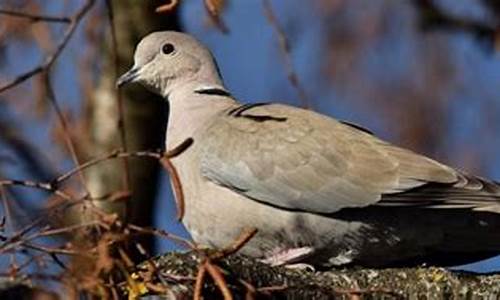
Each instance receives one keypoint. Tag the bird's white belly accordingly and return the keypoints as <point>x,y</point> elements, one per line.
<point>216,216</point>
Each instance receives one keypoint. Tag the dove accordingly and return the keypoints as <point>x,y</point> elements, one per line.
<point>319,191</point>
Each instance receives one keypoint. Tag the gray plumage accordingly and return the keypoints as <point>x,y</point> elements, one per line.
<point>318,190</point>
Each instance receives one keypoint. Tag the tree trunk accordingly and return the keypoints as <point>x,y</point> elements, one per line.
<point>145,118</point>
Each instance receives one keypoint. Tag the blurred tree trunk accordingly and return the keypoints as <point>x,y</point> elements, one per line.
<point>145,117</point>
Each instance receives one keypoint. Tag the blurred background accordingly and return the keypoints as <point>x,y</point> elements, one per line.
<point>423,74</point>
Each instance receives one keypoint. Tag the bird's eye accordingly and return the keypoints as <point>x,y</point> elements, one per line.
<point>167,48</point>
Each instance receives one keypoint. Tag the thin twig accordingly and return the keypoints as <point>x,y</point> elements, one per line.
<point>125,258</point>
<point>67,229</point>
<point>13,243</point>
<point>51,250</point>
<point>51,58</point>
<point>213,9</point>
<point>43,276</point>
<point>20,240</point>
<point>7,213</point>
<point>109,156</point>
<point>214,270</point>
<point>14,269</point>
<point>33,158</point>
<point>58,261</point>
<point>177,186</point>
<point>119,154</point>
<point>219,280</point>
<point>164,159</point>
<point>285,50</point>
<point>168,7</point>
<point>241,241</point>
<point>174,175</point>
<point>45,186</point>
<point>200,278</point>
<point>64,124</point>
<point>163,234</point>
<point>35,17</point>
<point>250,289</point>
<point>19,235</point>
<point>52,212</point>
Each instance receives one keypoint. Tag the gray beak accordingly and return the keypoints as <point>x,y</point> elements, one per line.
<point>129,76</point>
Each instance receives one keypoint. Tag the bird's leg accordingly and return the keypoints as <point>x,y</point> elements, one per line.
<point>289,257</point>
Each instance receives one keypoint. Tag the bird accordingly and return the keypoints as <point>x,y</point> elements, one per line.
<point>319,191</point>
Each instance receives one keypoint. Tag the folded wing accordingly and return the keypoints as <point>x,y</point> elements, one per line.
<point>300,160</point>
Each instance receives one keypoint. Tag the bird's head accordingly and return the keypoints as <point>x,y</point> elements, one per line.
<point>167,59</point>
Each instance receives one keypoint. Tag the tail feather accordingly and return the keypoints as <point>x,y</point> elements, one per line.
<point>469,192</point>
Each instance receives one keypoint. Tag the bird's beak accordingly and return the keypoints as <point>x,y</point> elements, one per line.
<point>129,76</point>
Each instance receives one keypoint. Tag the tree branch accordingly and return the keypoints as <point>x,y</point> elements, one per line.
<point>51,58</point>
<point>35,17</point>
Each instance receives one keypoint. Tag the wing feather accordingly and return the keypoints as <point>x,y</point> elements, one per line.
<point>298,159</point>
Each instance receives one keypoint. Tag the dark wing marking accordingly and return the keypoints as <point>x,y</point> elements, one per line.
<point>237,111</point>
<point>356,126</point>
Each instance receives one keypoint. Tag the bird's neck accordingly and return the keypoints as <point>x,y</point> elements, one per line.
<point>191,108</point>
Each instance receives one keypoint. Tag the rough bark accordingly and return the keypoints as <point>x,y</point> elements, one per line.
<point>178,271</point>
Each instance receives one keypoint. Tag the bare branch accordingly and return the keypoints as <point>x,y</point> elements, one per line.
<point>164,159</point>
<point>35,17</point>
<point>31,156</point>
<point>64,124</point>
<point>241,241</point>
<point>51,58</point>
<point>168,7</point>
<point>109,156</point>
<point>200,279</point>
<point>285,50</point>
<point>214,9</point>
<point>45,186</point>
<point>219,280</point>
<point>176,183</point>
<point>163,234</point>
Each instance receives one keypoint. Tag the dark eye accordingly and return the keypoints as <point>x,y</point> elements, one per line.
<point>167,48</point>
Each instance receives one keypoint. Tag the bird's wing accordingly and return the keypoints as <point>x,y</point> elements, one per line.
<point>300,160</point>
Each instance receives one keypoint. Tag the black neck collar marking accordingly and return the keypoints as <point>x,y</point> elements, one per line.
<point>213,91</point>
